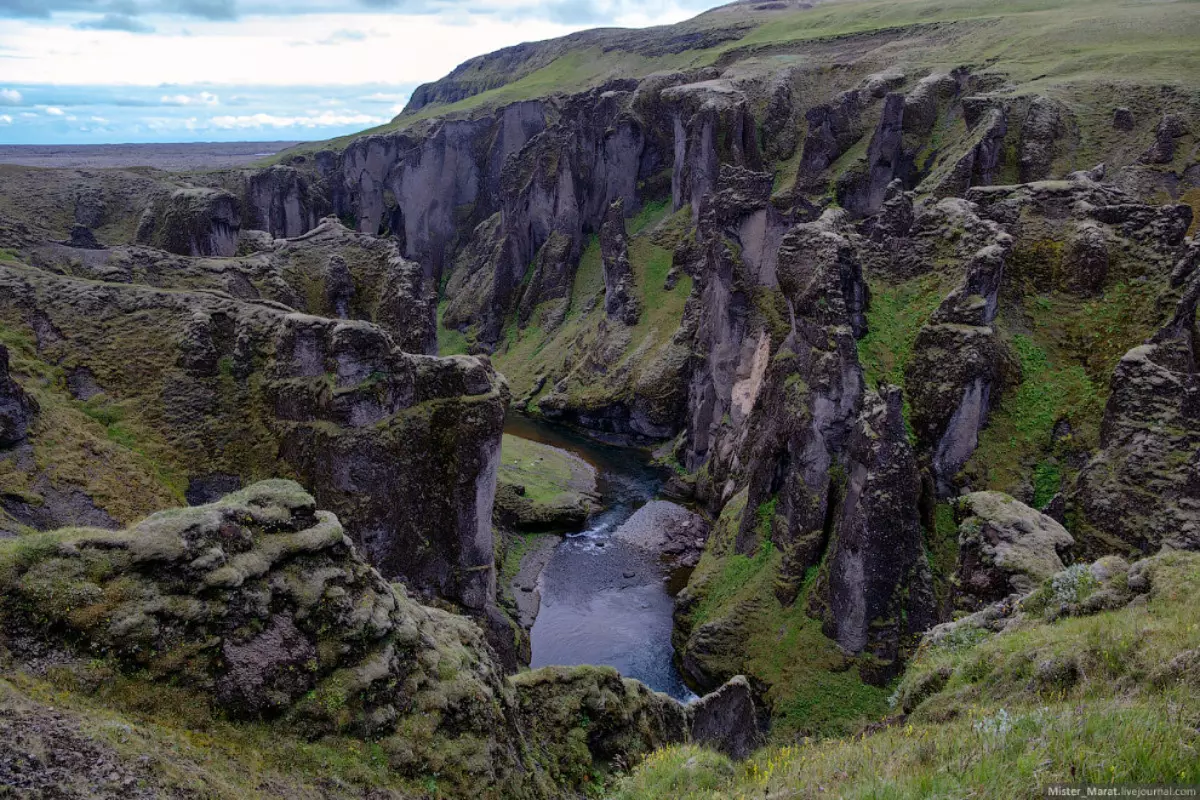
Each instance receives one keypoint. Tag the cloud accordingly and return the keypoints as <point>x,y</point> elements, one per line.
<point>116,22</point>
<point>325,119</point>
<point>201,99</point>
<point>10,97</point>
<point>388,98</point>
<point>55,112</point>
<point>5,119</point>
<point>206,9</point>
<point>216,10</point>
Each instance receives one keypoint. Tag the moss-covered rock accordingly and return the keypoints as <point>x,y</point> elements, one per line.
<point>193,222</point>
<point>196,384</point>
<point>262,603</point>
<point>1005,547</point>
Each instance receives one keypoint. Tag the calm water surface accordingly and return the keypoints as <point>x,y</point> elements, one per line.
<point>605,601</point>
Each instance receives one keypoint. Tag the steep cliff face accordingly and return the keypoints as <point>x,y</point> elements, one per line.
<point>260,609</point>
<point>214,390</point>
<point>1140,490</point>
<point>193,222</point>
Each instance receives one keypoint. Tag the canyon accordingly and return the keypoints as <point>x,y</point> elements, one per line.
<point>890,316</point>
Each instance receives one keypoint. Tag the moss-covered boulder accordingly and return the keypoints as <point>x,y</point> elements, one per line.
<point>263,604</point>
<point>543,488</point>
<point>1004,547</point>
<point>193,222</point>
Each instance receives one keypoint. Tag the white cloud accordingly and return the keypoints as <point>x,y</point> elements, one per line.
<point>55,112</point>
<point>10,97</point>
<point>385,97</point>
<point>5,119</point>
<point>312,119</point>
<point>258,49</point>
<point>201,99</point>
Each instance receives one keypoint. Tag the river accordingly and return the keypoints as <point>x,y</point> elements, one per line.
<point>605,601</point>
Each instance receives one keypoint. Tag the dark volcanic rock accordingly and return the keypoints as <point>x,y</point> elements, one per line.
<point>1170,128</point>
<point>1139,492</point>
<point>17,408</point>
<point>727,720</point>
<point>281,201</point>
<point>193,222</point>
<point>403,447</point>
<point>620,292</point>
<point>878,589</point>
<point>83,238</point>
<point>1005,547</point>
<point>956,367</point>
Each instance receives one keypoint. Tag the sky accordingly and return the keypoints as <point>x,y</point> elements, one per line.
<point>116,71</point>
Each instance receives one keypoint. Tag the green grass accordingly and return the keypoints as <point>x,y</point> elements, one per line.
<point>1040,45</point>
<point>994,730</point>
<point>535,350</point>
<point>107,448</point>
<point>550,476</point>
<point>1019,434</point>
<point>449,341</point>
<point>894,318</point>
<point>192,751</point>
<point>814,688</point>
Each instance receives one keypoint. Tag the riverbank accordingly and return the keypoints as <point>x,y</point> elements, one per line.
<point>604,595</point>
<point>543,488</point>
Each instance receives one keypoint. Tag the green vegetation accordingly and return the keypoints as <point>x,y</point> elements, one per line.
<point>140,473</point>
<point>450,342</point>
<point>1109,698</point>
<point>1020,433</point>
<point>536,350</point>
<point>192,750</point>
<point>1048,46</point>
<point>894,318</point>
<point>814,687</point>
<point>550,476</point>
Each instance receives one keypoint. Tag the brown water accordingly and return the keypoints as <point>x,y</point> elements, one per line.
<point>605,601</point>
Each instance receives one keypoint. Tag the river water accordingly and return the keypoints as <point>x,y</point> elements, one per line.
<point>605,601</point>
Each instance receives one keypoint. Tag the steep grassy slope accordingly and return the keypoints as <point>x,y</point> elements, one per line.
<point>1048,46</point>
<point>1110,698</point>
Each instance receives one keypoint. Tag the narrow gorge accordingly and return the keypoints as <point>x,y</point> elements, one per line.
<point>765,402</point>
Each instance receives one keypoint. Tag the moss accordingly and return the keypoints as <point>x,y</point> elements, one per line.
<point>896,313</point>
<point>1081,699</point>
<point>812,687</point>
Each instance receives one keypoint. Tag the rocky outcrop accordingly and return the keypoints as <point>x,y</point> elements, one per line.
<point>878,590</point>
<point>402,447</point>
<point>1170,128</point>
<point>726,720</point>
<point>1004,548</point>
<point>193,222</point>
<point>283,202</point>
<point>956,366</point>
<point>262,604</point>
<point>620,292</point>
<point>329,271</point>
<point>82,238</point>
<point>1140,491</point>
<point>548,191</point>
<point>712,126</point>
<point>17,408</point>
<point>833,128</point>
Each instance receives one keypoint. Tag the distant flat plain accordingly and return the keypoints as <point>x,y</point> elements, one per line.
<point>173,157</point>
